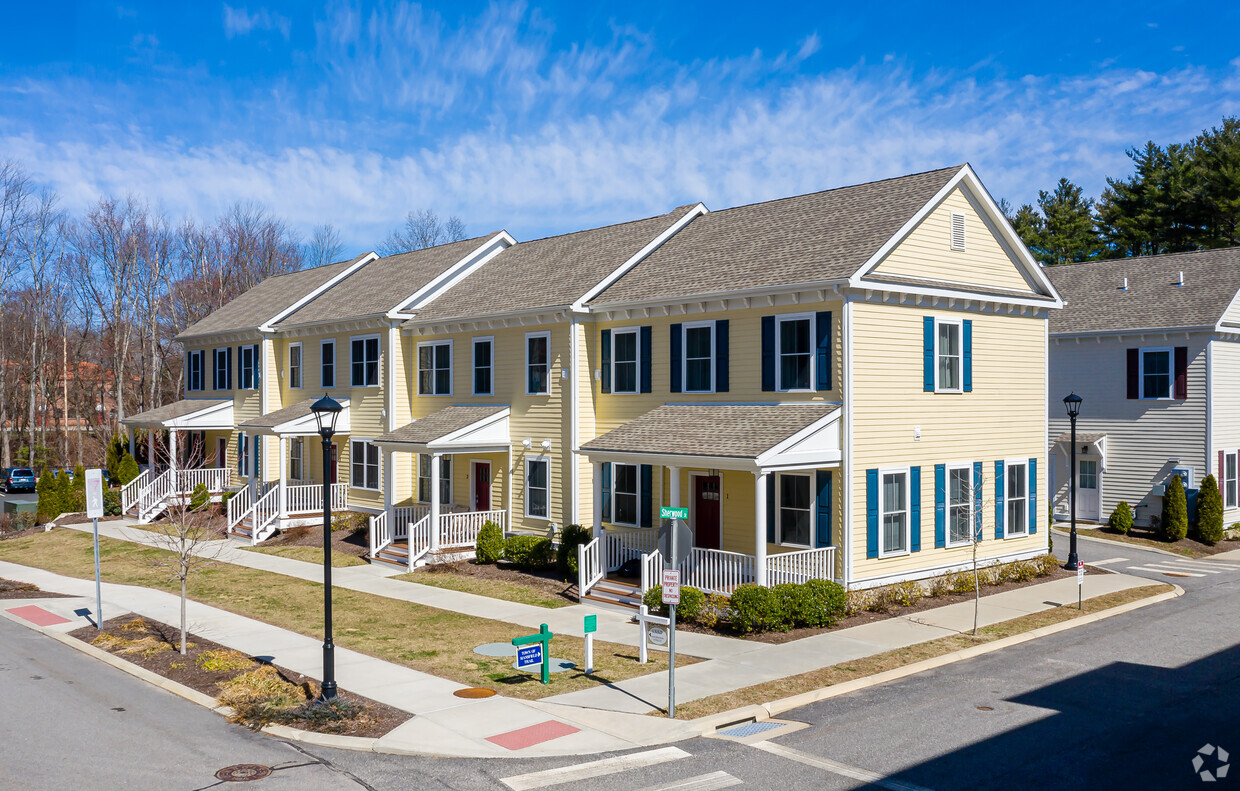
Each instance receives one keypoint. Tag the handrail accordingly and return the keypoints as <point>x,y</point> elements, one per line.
<point>589,565</point>
<point>131,490</point>
<point>717,571</point>
<point>239,506</point>
<point>266,510</point>
<point>461,529</point>
<point>153,496</point>
<point>419,540</point>
<point>799,566</point>
<point>652,564</point>
<point>624,544</point>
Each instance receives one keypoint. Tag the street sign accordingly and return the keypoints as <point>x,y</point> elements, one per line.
<point>673,513</point>
<point>591,624</point>
<point>94,493</point>
<point>589,628</point>
<point>657,635</point>
<point>534,649</point>
<point>645,622</point>
<point>1080,573</point>
<point>671,586</point>
<point>1080,585</point>
<point>684,542</point>
<point>530,655</point>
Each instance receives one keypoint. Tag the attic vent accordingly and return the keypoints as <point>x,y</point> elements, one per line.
<point>1181,280</point>
<point>957,231</point>
<point>1125,286</point>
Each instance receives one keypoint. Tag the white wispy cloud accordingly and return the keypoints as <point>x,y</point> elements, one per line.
<point>240,22</point>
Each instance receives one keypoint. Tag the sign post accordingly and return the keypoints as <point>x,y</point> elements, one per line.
<point>652,632</point>
<point>674,540</point>
<point>1080,584</point>
<point>94,510</point>
<point>591,626</point>
<point>535,649</point>
<point>671,597</point>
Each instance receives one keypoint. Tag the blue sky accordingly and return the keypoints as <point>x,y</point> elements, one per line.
<point>544,117</point>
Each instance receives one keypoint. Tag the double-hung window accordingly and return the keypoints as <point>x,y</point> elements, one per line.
<point>699,362</point>
<point>538,487</point>
<point>221,367</point>
<point>364,361</point>
<point>537,363</point>
<point>795,348</point>
<point>294,366</point>
<point>364,463</point>
<point>1017,502</point>
<point>947,356</point>
<point>624,494</point>
<point>796,511</point>
<point>435,368</point>
<point>484,366</point>
<point>1229,480</point>
<point>424,478</point>
<point>194,374</point>
<point>327,364</point>
<point>247,374</point>
<point>1155,373</point>
<point>959,505</point>
<point>624,356</point>
<point>893,517</point>
<point>295,456</point>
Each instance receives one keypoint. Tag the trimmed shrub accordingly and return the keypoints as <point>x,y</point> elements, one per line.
<point>112,460</point>
<point>127,470</point>
<point>906,594</point>
<point>815,603</point>
<point>571,537</point>
<point>489,546</point>
<point>200,498</point>
<point>49,496</point>
<point>67,494</point>
<point>716,608</point>
<point>691,608</point>
<point>1121,518</point>
<point>353,521</point>
<point>1209,512</point>
<point>963,582</point>
<point>939,586</point>
<point>225,497</point>
<point>1046,564</point>
<point>529,553</point>
<point>1175,511</point>
<point>757,609</point>
<point>111,502</point>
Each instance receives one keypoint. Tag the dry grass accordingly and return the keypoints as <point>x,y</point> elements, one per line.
<point>145,647</point>
<point>495,589</point>
<point>223,660</point>
<point>433,641</point>
<point>262,685</point>
<point>310,555</point>
<point>890,660</point>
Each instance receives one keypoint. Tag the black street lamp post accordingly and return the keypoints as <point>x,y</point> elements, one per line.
<point>326,410</point>
<point>1073,403</point>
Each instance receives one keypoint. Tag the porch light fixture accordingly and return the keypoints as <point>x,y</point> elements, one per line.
<point>546,444</point>
<point>1072,402</point>
<point>326,410</point>
<point>527,443</point>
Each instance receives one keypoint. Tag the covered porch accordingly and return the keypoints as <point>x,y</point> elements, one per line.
<point>760,482</point>
<point>462,455</point>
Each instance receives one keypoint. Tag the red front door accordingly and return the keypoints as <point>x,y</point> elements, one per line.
<point>482,486</point>
<point>221,452</point>
<point>706,528</point>
<point>335,460</point>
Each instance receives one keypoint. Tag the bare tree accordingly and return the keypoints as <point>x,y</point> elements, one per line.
<point>256,245</point>
<point>41,242</point>
<point>324,246</point>
<point>422,229</point>
<point>14,197</point>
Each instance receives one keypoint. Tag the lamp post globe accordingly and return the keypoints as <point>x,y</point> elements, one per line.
<point>1072,403</point>
<point>326,410</point>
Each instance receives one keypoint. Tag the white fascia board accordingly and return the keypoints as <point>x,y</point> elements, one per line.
<point>716,296</point>
<point>486,426</point>
<point>1220,324</point>
<point>453,275</point>
<point>558,313</point>
<point>268,326</point>
<point>216,416</point>
<point>737,463</point>
<point>819,440</point>
<point>1137,332</point>
<point>962,293</point>
<point>654,244</point>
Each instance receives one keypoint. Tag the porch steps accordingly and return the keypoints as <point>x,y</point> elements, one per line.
<point>394,554</point>
<point>616,592</point>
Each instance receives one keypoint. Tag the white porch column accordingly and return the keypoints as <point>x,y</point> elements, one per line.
<point>172,449</point>
<point>283,484</point>
<point>759,532</point>
<point>674,494</point>
<point>598,497</point>
<point>435,462</point>
<point>131,441</point>
<point>389,477</point>
<point>150,450</point>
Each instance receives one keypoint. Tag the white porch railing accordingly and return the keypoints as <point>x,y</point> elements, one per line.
<point>716,571</point>
<point>238,506</point>
<point>131,490</point>
<point>419,540</point>
<point>625,544</point>
<point>380,532</point>
<point>308,498</point>
<point>652,563</point>
<point>266,511</point>
<point>589,565</point>
<point>153,496</point>
<point>807,564</point>
<point>405,516</point>
<point>461,529</point>
<point>214,478</point>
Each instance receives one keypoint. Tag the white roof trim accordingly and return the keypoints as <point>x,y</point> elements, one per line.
<point>819,442</point>
<point>486,435</point>
<point>453,275</point>
<point>268,326</point>
<point>209,417</point>
<point>307,425</point>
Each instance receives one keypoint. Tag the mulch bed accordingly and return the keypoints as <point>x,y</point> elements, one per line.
<point>547,582</point>
<point>5,535</point>
<point>11,589</point>
<point>1185,546</point>
<point>312,536</point>
<point>377,719</point>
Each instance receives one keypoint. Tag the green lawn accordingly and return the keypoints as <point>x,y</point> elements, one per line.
<point>310,555</point>
<point>495,589</point>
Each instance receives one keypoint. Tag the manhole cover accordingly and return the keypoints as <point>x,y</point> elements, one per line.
<point>496,649</point>
<point>474,692</point>
<point>243,773</point>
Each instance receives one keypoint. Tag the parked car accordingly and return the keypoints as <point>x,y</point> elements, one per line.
<point>17,479</point>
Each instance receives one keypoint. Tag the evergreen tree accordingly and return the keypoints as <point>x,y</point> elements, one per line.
<point>49,496</point>
<point>1214,183</point>
<point>1175,511</point>
<point>65,494</point>
<point>116,449</point>
<point>128,470</point>
<point>1068,233</point>
<point>1210,512</point>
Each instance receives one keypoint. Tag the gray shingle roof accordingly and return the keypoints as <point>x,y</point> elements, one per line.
<point>439,424</point>
<point>265,301</point>
<point>382,284</point>
<point>726,430</point>
<point>282,416</point>
<point>807,238</point>
<point>1084,439</point>
<point>550,272</point>
<point>176,409</point>
<point>1095,301</point>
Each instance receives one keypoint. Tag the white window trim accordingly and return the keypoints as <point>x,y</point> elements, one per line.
<point>534,460</point>
<point>418,476</point>
<point>813,353</point>
<point>1170,373</point>
<point>221,353</point>
<point>908,511</point>
<point>378,361</point>
<point>352,458</point>
<point>951,231</point>
<point>254,352</point>
<point>243,465</point>
<point>526,371</point>
<point>202,375</point>
<point>967,466</point>
<point>473,364</point>
<point>297,452</point>
<point>813,510</point>
<point>301,366</point>
<point>1235,481</point>
<point>1007,523</point>
<point>635,331</point>
<point>959,324</point>
<point>335,368</point>
<point>637,512</point>
<point>418,363</point>
<point>714,355</point>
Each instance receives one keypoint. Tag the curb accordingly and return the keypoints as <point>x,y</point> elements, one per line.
<point>1139,547</point>
<point>764,711</point>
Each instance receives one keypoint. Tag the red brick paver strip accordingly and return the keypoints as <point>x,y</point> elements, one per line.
<point>531,735</point>
<point>38,616</point>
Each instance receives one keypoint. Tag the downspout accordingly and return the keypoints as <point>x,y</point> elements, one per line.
<point>574,431</point>
<point>847,488</point>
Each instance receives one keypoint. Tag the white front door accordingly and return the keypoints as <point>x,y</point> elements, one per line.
<point>1087,506</point>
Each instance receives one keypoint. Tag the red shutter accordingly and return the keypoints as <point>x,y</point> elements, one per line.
<point>1134,376</point>
<point>1181,372</point>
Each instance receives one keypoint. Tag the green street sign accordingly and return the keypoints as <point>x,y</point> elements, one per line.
<point>591,624</point>
<point>673,513</point>
<point>543,641</point>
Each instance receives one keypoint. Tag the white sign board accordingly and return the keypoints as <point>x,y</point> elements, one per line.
<point>94,493</point>
<point>671,586</point>
<point>1080,573</point>
<point>657,635</point>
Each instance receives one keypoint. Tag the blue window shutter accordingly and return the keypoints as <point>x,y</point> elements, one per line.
<point>927,331</point>
<point>677,337</point>
<point>721,356</point>
<point>605,358</point>
<point>256,462</point>
<point>770,508</point>
<point>240,457</point>
<point>240,372</point>
<point>645,334</point>
<point>606,495</point>
<point>823,531</point>
<point>871,513</point>
<point>1033,496</point>
<point>977,500</point>
<point>940,505</point>
<point>822,365</point>
<point>914,505</point>
<point>647,495</point>
<point>967,343</point>
<point>258,369</point>
<point>999,498</point>
<point>228,376</point>
<point>768,353</point>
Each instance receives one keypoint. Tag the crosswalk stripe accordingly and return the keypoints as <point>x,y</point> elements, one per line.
<point>606,766</point>
<point>1107,561</point>
<point>835,767</point>
<point>1173,566</point>
<point>707,782</point>
<point>1214,565</point>
<point>1166,571</point>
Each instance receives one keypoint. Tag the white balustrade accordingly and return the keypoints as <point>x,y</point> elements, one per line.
<point>806,564</point>
<point>266,511</point>
<point>131,490</point>
<point>380,532</point>
<point>716,571</point>
<point>589,566</point>
<point>419,539</point>
<point>153,496</point>
<point>214,478</point>
<point>461,529</point>
<point>623,545</point>
<point>652,563</point>
<point>238,506</point>
<point>407,515</point>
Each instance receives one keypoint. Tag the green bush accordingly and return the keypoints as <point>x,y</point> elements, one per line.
<point>962,582</point>
<point>49,496</point>
<point>757,609</point>
<point>489,546</point>
<point>112,460</point>
<point>67,494</point>
<point>1210,512</point>
<point>692,607</point>
<point>571,537</point>
<point>529,553</point>
<point>199,498</point>
<point>815,603</point>
<point>225,497</point>
<point>111,502</point>
<point>1046,565</point>
<point>127,470</point>
<point>353,521</point>
<point>1175,511</point>
<point>1121,518</point>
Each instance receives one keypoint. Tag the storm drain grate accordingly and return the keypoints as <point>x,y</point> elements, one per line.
<point>749,729</point>
<point>243,773</point>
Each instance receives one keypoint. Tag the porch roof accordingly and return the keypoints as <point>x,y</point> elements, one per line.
<point>295,420</point>
<point>188,413</point>
<point>454,429</point>
<point>732,436</point>
<point>1097,440</point>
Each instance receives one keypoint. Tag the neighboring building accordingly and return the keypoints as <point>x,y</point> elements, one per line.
<point>841,385</point>
<point>1152,345</point>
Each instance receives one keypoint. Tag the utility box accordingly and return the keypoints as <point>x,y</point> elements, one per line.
<point>17,505</point>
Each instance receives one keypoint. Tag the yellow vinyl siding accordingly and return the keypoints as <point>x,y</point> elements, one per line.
<point>586,351</point>
<point>927,253</point>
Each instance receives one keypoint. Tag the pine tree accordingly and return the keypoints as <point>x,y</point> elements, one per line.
<point>128,470</point>
<point>49,496</point>
<point>1210,512</point>
<point>67,494</point>
<point>1175,511</point>
<point>116,450</point>
<point>1215,184</point>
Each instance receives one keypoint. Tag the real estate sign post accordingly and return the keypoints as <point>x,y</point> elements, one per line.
<point>94,510</point>
<point>537,650</point>
<point>591,626</point>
